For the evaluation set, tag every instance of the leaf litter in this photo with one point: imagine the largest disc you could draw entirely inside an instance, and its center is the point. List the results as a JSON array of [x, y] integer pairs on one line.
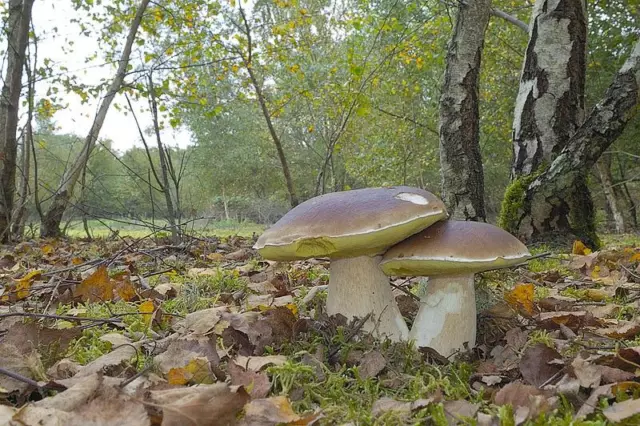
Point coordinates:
[[134, 332]]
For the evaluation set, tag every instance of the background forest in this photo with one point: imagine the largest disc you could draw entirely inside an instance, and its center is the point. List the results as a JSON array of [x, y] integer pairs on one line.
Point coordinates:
[[284, 100]]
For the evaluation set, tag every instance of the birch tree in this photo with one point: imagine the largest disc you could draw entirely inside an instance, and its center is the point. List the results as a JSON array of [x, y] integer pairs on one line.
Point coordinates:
[[460, 159], [17, 38], [60, 200], [551, 101], [539, 205]]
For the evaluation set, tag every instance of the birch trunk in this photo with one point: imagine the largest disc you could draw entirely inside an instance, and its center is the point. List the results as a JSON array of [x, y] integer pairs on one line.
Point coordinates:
[[60, 201], [18, 37], [550, 103], [460, 159], [604, 171], [542, 207]]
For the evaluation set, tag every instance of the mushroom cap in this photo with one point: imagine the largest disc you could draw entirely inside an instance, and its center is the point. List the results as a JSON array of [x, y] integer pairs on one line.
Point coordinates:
[[350, 223], [454, 247]]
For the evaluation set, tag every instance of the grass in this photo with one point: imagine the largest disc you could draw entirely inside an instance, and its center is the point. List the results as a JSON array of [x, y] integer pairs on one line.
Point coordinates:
[[137, 229]]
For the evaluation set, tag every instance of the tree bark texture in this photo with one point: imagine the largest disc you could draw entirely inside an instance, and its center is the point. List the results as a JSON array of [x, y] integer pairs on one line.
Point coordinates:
[[18, 37], [550, 103], [543, 206], [604, 171], [60, 200], [460, 159]]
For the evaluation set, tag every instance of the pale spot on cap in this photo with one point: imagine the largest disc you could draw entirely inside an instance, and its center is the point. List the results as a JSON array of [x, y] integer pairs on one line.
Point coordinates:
[[412, 198]]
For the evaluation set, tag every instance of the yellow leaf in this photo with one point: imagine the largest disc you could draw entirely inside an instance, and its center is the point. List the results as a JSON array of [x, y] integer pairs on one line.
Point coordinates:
[[635, 258], [580, 248], [235, 68], [76, 261], [125, 289], [178, 376], [293, 308], [146, 308], [521, 298], [97, 287], [200, 371], [47, 249]]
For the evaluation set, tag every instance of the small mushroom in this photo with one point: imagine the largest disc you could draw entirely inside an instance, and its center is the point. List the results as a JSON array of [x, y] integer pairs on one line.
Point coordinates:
[[450, 253], [353, 228]]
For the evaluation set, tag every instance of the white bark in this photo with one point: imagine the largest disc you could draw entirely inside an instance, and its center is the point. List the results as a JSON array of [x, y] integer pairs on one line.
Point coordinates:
[[550, 103], [358, 287], [446, 320], [460, 159]]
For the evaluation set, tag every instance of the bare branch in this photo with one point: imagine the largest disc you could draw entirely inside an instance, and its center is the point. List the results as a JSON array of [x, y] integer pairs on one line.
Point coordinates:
[[511, 19]]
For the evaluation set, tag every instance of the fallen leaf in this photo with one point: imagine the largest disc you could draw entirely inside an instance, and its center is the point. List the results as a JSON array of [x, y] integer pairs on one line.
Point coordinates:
[[371, 364], [589, 375], [97, 287], [257, 363], [535, 365], [580, 248], [257, 384], [203, 405], [622, 410], [521, 298], [457, 412], [274, 410]]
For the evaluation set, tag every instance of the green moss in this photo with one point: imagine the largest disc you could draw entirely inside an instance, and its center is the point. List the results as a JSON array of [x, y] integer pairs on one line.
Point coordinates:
[[513, 202]]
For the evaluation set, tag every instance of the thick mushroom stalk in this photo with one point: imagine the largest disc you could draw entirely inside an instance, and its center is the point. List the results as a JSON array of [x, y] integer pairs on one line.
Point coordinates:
[[446, 320], [358, 287]]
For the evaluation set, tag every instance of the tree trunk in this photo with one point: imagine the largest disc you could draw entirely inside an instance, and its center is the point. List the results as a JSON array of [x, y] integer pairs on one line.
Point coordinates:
[[18, 37], [550, 103], [164, 167], [604, 171], [21, 208], [247, 59], [53, 215], [539, 205], [626, 195], [461, 162]]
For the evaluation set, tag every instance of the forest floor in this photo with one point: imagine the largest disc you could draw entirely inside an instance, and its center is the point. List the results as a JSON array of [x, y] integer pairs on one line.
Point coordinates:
[[140, 331]]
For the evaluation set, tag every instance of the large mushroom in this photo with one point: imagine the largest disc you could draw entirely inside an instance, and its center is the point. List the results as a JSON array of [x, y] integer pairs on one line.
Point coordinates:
[[450, 253], [353, 228]]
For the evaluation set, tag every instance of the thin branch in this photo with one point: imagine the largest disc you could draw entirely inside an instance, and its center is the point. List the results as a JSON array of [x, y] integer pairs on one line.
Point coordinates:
[[511, 19]]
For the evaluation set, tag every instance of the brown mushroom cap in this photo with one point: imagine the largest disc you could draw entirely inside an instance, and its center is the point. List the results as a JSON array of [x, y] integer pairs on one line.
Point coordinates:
[[350, 223], [454, 247]]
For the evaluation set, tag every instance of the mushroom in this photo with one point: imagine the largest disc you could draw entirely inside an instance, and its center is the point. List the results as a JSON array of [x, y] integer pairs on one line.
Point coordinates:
[[353, 228], [450, 253]]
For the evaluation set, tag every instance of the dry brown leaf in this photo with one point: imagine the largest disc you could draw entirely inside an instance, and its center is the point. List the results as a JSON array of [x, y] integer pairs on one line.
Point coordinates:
[[622, 410], [589, 375], [204, 405], [535, 365], [257, 363], [275, 410], [371, 364], [529, 400], [256, 383], [385, 404], [110, 364], [200, 322], [573, 320], [184, 350], [97, 287], [457, 412]]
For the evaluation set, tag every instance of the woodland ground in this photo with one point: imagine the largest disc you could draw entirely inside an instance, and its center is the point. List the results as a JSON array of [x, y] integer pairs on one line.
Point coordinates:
[[139, 331]]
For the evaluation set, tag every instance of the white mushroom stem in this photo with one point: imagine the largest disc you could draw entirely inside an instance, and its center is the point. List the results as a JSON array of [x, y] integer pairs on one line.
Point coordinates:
[[446, 320], [358, 287]]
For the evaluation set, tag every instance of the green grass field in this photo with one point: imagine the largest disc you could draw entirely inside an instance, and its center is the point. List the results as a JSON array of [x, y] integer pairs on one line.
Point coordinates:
[[105, 227]]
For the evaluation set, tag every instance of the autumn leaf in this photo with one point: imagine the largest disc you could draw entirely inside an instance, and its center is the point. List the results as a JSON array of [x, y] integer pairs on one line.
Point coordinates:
[[580, 249], [178, 376], [146, 308], [97, 287], [521, 298]]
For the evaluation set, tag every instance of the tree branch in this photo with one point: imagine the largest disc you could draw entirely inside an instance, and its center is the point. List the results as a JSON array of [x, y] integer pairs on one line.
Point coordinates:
[[511, 19]]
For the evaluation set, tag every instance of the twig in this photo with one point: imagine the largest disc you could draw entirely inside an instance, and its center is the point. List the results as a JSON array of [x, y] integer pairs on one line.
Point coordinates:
[[59, 317], [135, 376], [405, 291], [19, 377], [350, 336]]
